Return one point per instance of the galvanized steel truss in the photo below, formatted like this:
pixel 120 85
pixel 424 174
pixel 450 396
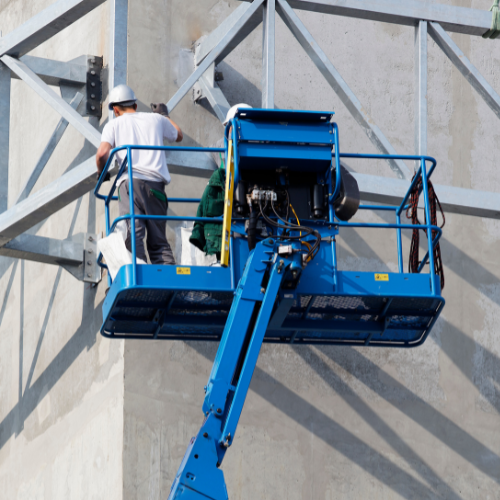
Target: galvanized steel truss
pixel 432 19
pixel 428 19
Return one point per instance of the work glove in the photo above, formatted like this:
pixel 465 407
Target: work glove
pixel 106 178
pixel 159 108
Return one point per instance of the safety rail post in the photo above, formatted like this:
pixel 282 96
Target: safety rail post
pixel 132 216
pixel 400 246
pixel 228 207
pixel 332 196
pixel 428 224
pixel 236 159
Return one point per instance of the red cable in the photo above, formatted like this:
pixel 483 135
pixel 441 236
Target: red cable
pixel 412 214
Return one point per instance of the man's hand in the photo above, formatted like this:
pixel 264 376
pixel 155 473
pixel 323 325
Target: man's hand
pixel 102 155
pixel 159 108
pixel 106 178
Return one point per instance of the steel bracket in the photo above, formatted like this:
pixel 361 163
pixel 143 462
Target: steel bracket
pixel 94 86
pixel 88 270
pixel 91 271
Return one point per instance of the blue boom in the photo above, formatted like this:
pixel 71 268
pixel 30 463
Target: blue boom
pixel 282 283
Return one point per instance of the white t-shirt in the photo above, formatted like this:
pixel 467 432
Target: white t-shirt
pixel 141 129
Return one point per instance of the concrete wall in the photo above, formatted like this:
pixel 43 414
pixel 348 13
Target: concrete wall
pixel 337 423
pixel 61 383
pixel 326 423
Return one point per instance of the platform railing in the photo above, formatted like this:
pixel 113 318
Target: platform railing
pixel 423 172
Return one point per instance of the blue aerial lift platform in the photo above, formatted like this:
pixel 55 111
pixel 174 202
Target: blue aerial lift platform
pixel 286 200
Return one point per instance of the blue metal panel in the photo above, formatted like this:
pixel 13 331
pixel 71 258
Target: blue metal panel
pixel 266 156
pixel 303 133
pixel 285 115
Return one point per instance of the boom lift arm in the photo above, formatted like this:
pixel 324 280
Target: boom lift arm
pixel 265 274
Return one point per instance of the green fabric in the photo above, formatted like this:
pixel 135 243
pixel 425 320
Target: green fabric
pixel 494 31
pixel 207 236
pixel 158 194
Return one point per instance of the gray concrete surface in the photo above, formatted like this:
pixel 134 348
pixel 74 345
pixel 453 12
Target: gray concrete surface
pixel 99 420
pixel 61 383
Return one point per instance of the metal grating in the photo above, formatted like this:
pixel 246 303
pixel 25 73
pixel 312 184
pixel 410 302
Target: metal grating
pixel 330 319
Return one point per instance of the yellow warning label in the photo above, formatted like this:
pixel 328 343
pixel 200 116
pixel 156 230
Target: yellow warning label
pixel 184 270
pixel 381 277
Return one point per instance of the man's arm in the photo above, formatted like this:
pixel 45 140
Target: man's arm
pixel 102 156
pixel 179 131
pixel 161 109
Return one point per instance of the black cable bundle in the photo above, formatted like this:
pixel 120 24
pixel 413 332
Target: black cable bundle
pixel 412 214
pixel 289 226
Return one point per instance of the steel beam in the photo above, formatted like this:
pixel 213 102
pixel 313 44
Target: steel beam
pixel 211 91
pixel 76 254
pixel 59 104
pixel 47 152
pixel 5 84
pixel 46 250
pixel 268 53
pixel 407 13
pixel 54 72
pixel 468 70
pixel 206 44
pixel 192 164
pixel 47 201
pixel 421 88
pixel 389 191
pixel 45 25
pixel 228 41
pixel 78 182
pixel 340 87
pixel 118 43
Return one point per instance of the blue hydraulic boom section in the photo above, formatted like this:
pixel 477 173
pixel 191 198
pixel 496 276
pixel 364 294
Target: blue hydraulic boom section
pixel 287 289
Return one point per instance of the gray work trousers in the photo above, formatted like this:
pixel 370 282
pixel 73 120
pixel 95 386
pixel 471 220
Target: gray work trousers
pixel 146 203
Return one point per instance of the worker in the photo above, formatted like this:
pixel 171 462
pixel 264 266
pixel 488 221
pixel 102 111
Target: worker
pixel 207 236
pixel 150 171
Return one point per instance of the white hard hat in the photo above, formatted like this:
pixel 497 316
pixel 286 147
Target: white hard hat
pixel 232 112
pixel 122 95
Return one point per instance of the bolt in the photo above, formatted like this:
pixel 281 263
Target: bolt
pixel 89 275
pixel 271 241
pixel 90 238
pixel 89 263
pixel 219 410
pixel 89 251
pixel 329 227
pixel 92 96
pixel 205 434
pixel 294 274
pixel 92 108
pixel 92 84
pixel 92 72
pixel 262 290
pixel 93 61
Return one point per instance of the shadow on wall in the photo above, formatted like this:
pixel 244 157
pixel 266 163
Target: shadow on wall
pixel 83 338
pixel 350 445
pixel 237 88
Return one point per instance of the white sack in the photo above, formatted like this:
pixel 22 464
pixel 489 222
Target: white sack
pixel 115 253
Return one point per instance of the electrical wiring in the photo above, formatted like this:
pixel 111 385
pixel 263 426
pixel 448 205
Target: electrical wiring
pixel 412 214
pixel 315 248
